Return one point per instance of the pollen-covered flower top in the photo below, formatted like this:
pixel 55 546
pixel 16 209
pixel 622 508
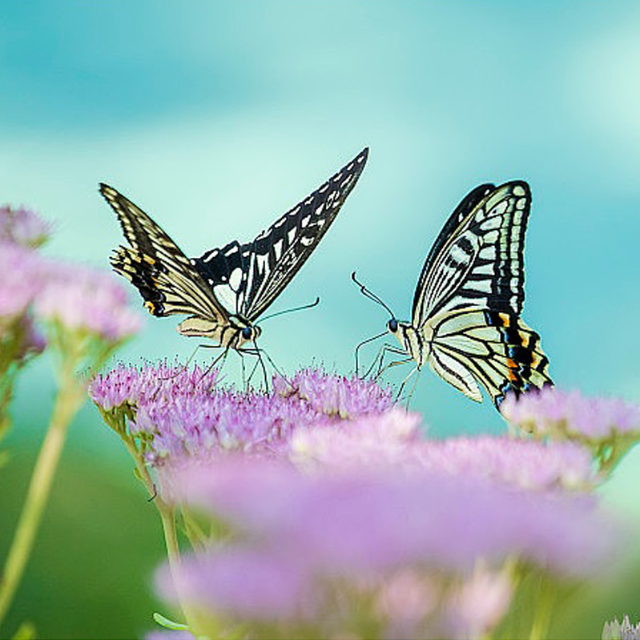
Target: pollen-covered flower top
pixel 187 414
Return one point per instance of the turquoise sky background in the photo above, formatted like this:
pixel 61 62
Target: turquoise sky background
pixel 217 117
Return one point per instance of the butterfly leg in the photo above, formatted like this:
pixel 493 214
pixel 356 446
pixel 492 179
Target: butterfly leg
pixel 222 356
pixel 416 371
pixel 256 364
pixel 359 346
pixel 382 367
pixel 244 374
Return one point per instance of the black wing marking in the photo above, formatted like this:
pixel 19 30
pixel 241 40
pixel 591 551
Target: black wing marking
pixel 477 260
pixel 247 278
pixel 494 348
pixel 156 266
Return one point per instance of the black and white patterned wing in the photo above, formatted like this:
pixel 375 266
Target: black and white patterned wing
pixel 247 278
pixel 495 348
pixel 155 265
pixel 477 260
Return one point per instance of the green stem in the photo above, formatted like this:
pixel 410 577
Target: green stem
pixel 168 518
pixel 68 402
pixel 540 626
pixel 166 511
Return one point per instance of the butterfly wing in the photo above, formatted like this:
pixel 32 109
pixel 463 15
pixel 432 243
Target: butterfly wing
pixel 494 348
pixel 477 260
pixel 470 295
pixel 247 278
pixel 154 264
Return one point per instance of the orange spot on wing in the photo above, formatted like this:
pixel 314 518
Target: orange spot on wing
pixel 505 319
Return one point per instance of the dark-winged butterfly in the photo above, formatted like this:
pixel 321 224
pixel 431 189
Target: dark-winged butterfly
pixel 466 309
pixel 225 290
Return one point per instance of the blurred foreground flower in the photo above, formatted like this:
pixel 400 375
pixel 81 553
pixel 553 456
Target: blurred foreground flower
pixel 417 552
pixel 393 441
pixel 608 426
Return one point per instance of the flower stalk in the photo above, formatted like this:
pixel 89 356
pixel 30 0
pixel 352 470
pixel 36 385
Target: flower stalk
pixel 69 399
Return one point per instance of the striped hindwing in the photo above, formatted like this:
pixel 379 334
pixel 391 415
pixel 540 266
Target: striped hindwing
pixel 477 260
pixel 470 295
pixel 154 264
pixel 247 278
pixel 494 348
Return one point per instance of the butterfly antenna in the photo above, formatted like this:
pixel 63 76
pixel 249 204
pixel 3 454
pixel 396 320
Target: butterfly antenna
pixel 315 303
pixel 369 294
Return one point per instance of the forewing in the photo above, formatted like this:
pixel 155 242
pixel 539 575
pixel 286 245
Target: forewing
pixel 156 266
pixel 496 348
pixel 477 260
pixel 251 276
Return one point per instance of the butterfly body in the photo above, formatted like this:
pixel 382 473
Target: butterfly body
pixel 224 291
pixel 466 311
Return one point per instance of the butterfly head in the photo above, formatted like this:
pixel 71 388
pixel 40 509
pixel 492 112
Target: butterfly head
pixel 249 333
pixel 410 340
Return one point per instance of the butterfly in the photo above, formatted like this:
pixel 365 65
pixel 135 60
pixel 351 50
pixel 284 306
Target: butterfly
pixel 466 321
pixel 225 290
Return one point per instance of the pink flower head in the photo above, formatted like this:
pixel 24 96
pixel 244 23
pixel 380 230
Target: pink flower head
pixel 23 227
pixel 23 277
pixel 85 299
pixel 553 412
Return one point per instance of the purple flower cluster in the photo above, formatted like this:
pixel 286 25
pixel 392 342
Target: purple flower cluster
pixel 570 414
pixel 22 279
pixel 22 227
pixel 81 298
pixel 78 298
pixel 304 539
pixel 188 415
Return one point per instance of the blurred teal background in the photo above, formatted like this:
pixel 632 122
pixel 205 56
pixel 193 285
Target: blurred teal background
pixel 217 117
